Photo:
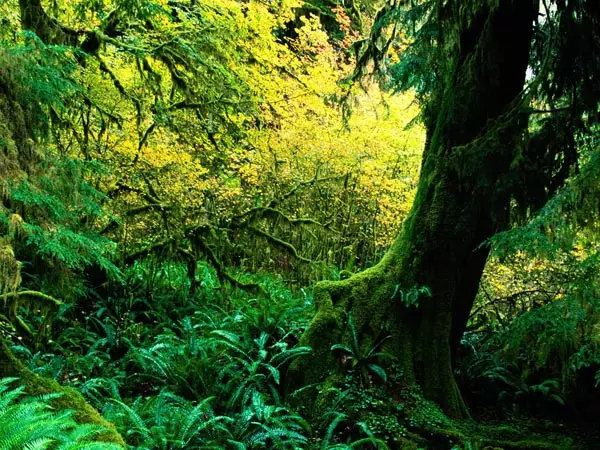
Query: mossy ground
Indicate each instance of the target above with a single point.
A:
(404, 419)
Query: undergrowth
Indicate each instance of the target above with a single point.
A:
(208, 371)
(179, 372)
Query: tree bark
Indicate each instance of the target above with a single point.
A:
(35, 18)
(460, 203)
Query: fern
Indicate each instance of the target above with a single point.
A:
(363, 359)
(262, 425)
(167, 421)
(98, 390)
(30, 423)
(253, 365)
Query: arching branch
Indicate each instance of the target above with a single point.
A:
(280, 243)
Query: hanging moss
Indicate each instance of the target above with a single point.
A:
(10, 269)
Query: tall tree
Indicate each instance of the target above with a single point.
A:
(479, 156)
(34, 79)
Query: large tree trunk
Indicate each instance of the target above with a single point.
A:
(472, 136)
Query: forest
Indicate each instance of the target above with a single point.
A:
(299, 224)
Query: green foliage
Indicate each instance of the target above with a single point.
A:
(516, 391)
(355, 416)
(536, 359)
(166, 421)
(219, 365)
(163, 364)
(253, 367)
(188, 106)
(364, 359)
(41, 76)
(419, 412)
(49, 210)
(410, 297)
(56, 205)
(31, 424)
(261, 425)
(535, 323)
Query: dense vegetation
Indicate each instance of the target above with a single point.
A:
(299, 224)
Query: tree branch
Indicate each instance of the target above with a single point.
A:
(152, 207)
(223, 274)
(14, 297)
(34, 294)
(283, 244)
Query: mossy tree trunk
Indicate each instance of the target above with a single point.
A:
(35, 18)
(460, 202)
(19, 157)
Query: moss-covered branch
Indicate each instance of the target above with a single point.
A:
(224, 274)
(35, 385)
(38, 296)
(280, 243)
(152, 207)
(12, 300)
